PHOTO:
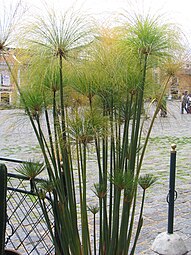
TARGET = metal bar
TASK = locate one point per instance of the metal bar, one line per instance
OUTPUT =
(171, 197)
(22, 177)
(24, 211)
(18, 176)
(3, 205)
(22, 191)
(13, 160)
(26, 192)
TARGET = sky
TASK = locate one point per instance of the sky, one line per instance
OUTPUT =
(178, 11)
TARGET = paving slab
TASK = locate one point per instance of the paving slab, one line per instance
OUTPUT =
(175, 128)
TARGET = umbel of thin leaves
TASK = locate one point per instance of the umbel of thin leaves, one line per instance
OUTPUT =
(60, 35)
(123, 180)
(10, 17)
(30, 169)
(34, 101)
(45, 185)
(146, 181)
(81, 129)
(85, 125)
(100, 190)
(93, 209)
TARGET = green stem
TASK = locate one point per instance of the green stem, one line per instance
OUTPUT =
(94, 234)
(101, 252)
(124, 227)
(85, 228)
(50, 139)
(115, 231)
(140, 223)
(112, 173)
(138, 114)
(125, 141)
(62, 107)
(150, 127)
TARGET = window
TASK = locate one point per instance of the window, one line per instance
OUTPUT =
(5, 98)
(5, 78)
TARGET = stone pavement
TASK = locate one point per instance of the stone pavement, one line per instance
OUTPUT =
(175, 128)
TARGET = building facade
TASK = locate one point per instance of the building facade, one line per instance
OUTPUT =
(180, 82)
(7, 86)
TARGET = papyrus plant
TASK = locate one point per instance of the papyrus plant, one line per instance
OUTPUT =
(63, 67)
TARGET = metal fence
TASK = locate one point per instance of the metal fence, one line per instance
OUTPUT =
(26, 229)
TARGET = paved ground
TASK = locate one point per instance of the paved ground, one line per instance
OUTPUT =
(173, 129)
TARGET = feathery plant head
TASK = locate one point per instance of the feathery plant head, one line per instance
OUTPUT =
(116, 73)
(93, 209)
(85, 125)
(83, 78)
(30, 169)
(150, 35)
(100, 190)
(146, 181)
(74, 99)
(96, 121)
(80, 130)
(60, 35)
(123, 180)
(47, 76)
(171, 66)
(10, 18)
(41, 194)
(52, 78)
(46, 186)
(34, 100)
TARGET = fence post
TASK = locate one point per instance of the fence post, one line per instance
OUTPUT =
(169, 243)
(3, 207)
(172, 195)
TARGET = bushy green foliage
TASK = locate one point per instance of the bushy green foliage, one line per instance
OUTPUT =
(90, 90)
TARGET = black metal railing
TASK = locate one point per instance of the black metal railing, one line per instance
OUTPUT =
(172, 195)
(26, 229)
